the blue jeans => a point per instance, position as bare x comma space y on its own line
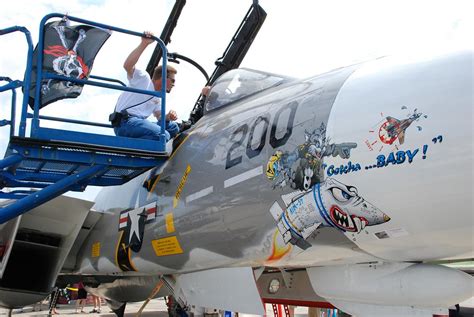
135, 127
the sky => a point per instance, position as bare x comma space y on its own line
299, 38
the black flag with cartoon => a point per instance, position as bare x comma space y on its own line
68, 51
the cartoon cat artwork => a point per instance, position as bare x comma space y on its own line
317, 202
301, 168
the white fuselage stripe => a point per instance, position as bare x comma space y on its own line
243, 177
199, 194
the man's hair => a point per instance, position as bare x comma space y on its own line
169, 70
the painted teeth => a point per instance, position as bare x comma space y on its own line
341, 219
358, 223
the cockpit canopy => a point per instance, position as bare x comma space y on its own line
240, 83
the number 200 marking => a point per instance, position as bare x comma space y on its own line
239, 135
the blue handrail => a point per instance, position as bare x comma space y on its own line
11, 85
69, 160
107, 79
100, 84
40, 75
81, 122
94, 124
26, 80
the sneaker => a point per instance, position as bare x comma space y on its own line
93, 311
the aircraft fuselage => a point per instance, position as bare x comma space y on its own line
298, 176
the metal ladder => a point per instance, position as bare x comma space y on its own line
50, 162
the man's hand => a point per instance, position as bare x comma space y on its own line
132, 59
146, 38
172, 116
206, 90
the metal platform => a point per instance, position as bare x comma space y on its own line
50, 162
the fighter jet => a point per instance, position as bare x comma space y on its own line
394, 129
268, 196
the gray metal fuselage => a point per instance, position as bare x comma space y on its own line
211, 206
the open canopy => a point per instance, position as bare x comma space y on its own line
240, 83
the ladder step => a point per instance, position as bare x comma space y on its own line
90, 147
33, 200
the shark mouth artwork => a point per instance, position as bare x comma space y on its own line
327, 204
316, 202
345, 222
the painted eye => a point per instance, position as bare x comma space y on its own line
352, 190
339, 194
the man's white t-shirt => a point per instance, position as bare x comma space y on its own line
139, 80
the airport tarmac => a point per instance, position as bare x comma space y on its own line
156, 307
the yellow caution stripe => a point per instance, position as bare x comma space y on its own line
181, 186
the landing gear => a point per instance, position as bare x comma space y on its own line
174, 309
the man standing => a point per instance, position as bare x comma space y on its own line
136, 108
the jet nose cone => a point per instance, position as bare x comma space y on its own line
386, 218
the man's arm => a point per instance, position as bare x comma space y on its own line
132, 59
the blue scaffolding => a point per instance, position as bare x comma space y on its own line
50, 162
